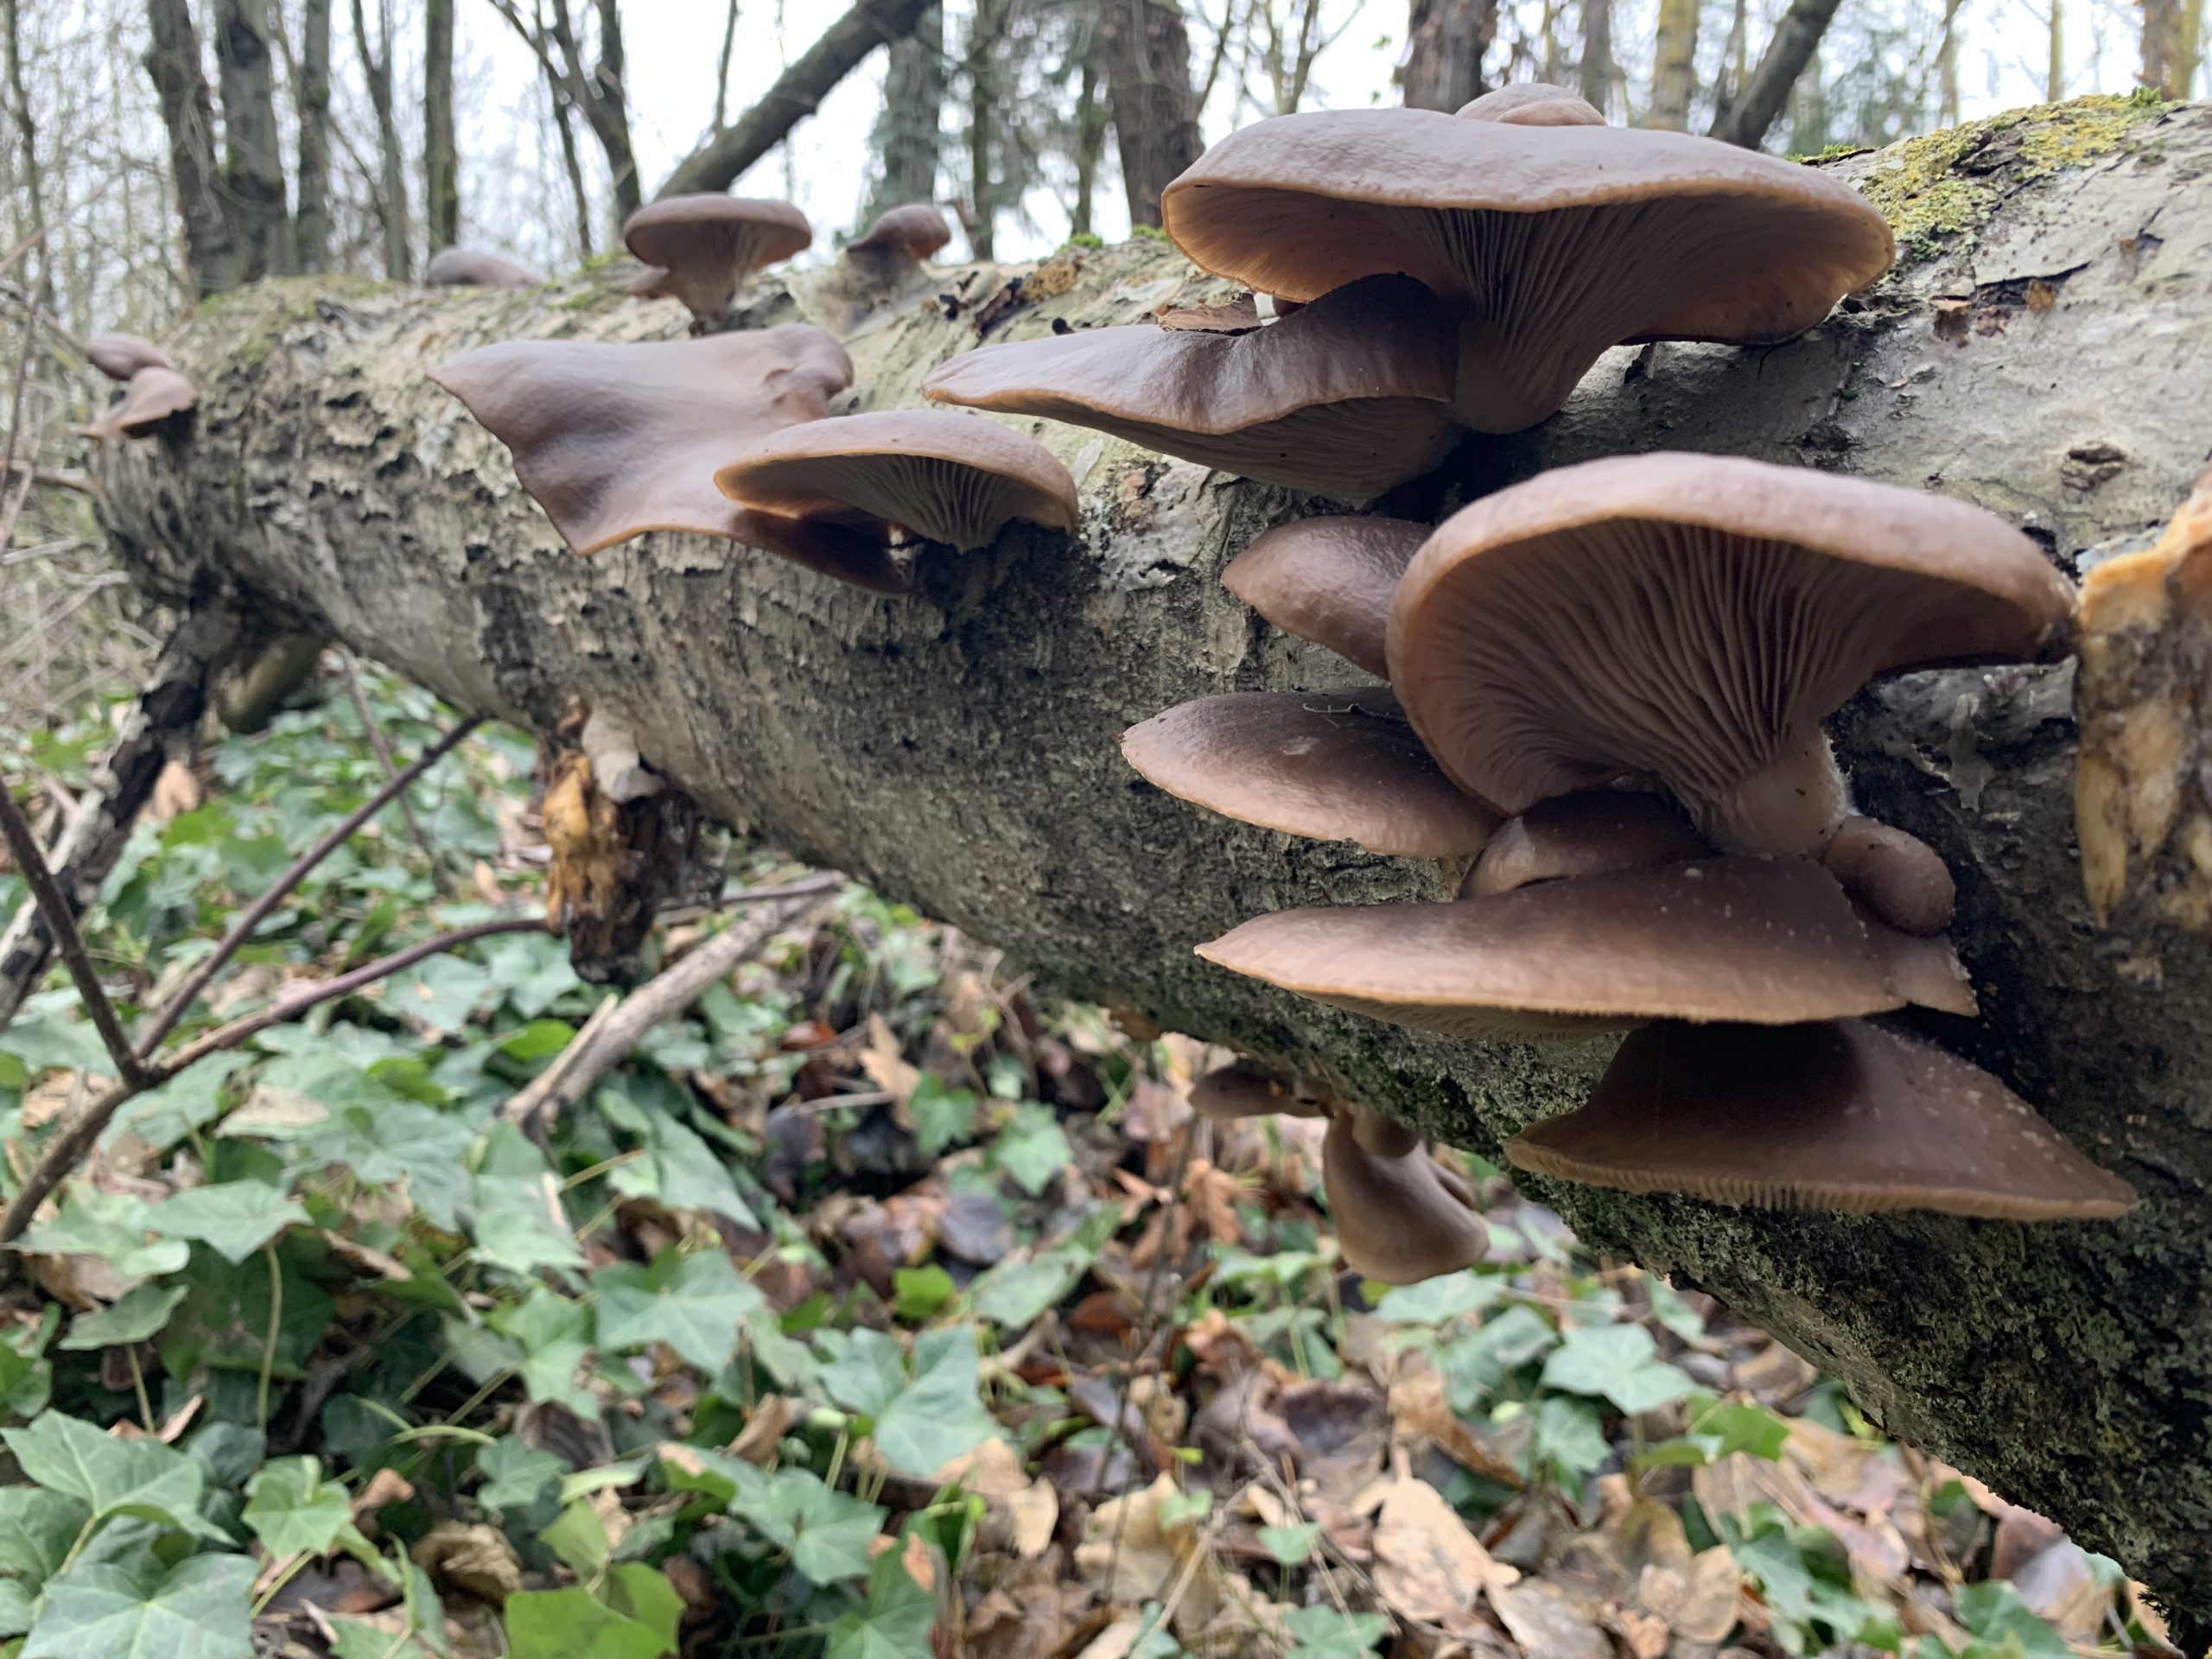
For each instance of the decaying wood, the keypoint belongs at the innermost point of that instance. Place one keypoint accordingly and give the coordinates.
(2043, 349)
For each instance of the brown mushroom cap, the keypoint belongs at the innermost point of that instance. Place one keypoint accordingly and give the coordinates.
(471, 267)
(120, 356)
(614, 441)
(1898, 875)
(916, 229)
(1561, 241)
(1694, 618)
(1330, 580)
(1771, 941)
(710, 243)
(153, 397)
(947, 478)
(1331, 766)
(1532, 104)
(1924, 969)
(1843, 1115)
(1243, 1090)
(1595, 833)
(1346, 398)
(1397, 1222)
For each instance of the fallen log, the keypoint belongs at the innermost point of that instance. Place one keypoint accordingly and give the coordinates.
(2043, 348)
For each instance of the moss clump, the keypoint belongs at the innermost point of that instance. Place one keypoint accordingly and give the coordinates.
(1928, 191)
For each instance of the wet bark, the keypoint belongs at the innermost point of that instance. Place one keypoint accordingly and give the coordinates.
(1149, 76)
(958, 748)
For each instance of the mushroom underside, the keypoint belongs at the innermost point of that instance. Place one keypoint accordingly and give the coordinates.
(928, 496)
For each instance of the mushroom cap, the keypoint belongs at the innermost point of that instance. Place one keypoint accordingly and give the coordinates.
(1771, 941)
(120, 356)
(1243, 1090)
(710, 243)
(1397, 1222)
(1562, 241)
(1329, 765)
(1845, 1115)
(947, 478)
(916, 227)
(1924, 969)
(1532, 104)
(1898, 875)
(1329, 579)
(471, 267)
(152, 398)
(1693, 617)
(614, 441)
(1346, 398)
(1594, 833)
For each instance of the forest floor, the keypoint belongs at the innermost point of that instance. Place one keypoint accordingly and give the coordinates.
(876, 1307)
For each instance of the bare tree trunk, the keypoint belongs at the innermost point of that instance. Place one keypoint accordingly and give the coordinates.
(1149, 76)
(1947, 64)
(1090, 123)
(1597, 55)
(2054, 74)
(721, 66)
(1673, 72)
(1735, 64)
(19, 111)
(563, 76)
(2169, 45)
(909, 134)
(600, 91)
(798, 92)
(391, 192)
(1445, 43)
(253, 161)
(172, 64)
(311, 102)
(979, 67)
(441, 153)
(1796, 39)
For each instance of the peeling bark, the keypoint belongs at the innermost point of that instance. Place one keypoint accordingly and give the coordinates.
(959, 748)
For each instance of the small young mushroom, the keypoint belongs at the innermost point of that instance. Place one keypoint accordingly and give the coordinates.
(1331, 766)
(1844, 1116)
(150, 401)
(120, 356)
(1347, 398)
(1242, 1090)
(615, 440)
(710, 243)
(1397, 1220)
(1557, 241)
(1693, 619)
(1769, 941)
(1330, 580)
(1532, 104)
(943, 477)
(1594, 833)
(472, 268)
(900, 240)
(1899, 875)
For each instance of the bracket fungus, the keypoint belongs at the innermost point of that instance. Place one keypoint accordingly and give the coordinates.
(1771, 941)
(943, 477)
(1398, 1219)
(705, 245)
(151, 399)
(1844, 1115)
(1242, 1089)
(615, 440)
(120, 356)
(472, 268)
(1554, 242)
(1693, 619)
(1330, 580)
(1347, 398)
(1329, 765)
(901, 237)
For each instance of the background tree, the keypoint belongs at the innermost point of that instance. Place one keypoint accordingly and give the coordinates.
(217, 260)
(909, 136)
(311, 116)
(1445, 41)
(1149, 77)
(391, 199)
(440, 151)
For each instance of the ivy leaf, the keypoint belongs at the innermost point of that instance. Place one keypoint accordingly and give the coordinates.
(644, 1593)
(555, 1333)
(197, 1610)
(140, 1314)
(863, 1371)
(233, 1219)
(574, 1624)
(109, 1477)
(108, 1225)
(1434, 1301)
(400, 1140)
(578, 1536)
(293, 1510)
(1325, 1633)
(516, 1474)
(37, 1531)
(161, 1117)
(940, 1415)
(1619, 1363)
(826, 1533)
(692, 1304)
(942, 1116)
(679, 1169)
(1031, 1148)
(896, 1625)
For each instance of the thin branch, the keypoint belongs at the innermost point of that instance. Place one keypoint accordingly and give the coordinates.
(164, 1020)
(384, 755)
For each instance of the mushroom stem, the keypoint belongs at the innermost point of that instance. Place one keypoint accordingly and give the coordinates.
(1791, 807)
(1397, 1222)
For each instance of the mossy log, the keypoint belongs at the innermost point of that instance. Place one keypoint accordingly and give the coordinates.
(2044, 349)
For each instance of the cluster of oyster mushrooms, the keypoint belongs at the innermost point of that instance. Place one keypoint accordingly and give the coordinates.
(729, 433)
(155, 398)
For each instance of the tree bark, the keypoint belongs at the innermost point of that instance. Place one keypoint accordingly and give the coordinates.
(909, 134)
(26, 125)
(391, 158)
(979, 67)
(1674, 69)
(1445, 43)
(440, 151)
(958, 748)
(172, 64)
(599, 91)
(2054, 73)
(2170, 32)
(1597, 73)
(798, 92)
(253, 159)
(1149, 77)
(311, 103)
(1750, 114)
(1090, 125)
